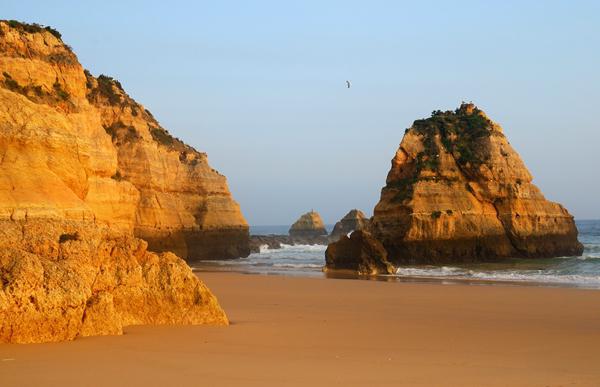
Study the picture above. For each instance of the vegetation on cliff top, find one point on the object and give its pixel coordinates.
(32, 28)
(462, 133)
(36, 93)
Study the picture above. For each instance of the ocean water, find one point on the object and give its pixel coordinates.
(306, 260)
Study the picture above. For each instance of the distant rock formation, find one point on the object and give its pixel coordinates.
(353, 220)
(78, 147)
(60, 280)
(359, 253)
(309, 225)
(458, 192)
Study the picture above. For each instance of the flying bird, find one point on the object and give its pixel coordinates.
(348, 84)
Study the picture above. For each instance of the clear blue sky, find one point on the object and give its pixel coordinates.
(259, 85)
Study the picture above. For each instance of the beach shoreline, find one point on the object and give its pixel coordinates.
(296, 331)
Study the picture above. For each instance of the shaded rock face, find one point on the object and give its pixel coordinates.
(353, 220)
(76, 147)
(359, 253)
(457, 191)
(309, 225)
(62, 279)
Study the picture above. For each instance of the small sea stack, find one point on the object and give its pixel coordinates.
(360, 253)
(309, 225)
(353, 220)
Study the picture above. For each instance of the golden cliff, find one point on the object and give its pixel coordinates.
(78, 147)
(60, 280)
(84, 170)
(458, 192)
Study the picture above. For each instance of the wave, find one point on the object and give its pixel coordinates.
(536, 276)
(298, 265)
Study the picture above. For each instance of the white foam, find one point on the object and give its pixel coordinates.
(506, 276)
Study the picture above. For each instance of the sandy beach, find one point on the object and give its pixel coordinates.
(309, 331)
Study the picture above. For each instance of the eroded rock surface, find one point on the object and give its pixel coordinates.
(78, 147)
(353, 220)
(457, 191)
(359, 253)
(62, 280)
(309, 225)
(82, 169)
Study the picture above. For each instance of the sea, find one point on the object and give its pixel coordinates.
(307, 260)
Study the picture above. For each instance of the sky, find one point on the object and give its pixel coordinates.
(260, 86)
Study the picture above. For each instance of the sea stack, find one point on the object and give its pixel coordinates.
(309, 225)
(85, 171)
(458, 192)
(353, 220)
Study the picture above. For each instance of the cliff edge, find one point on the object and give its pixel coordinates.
(78, 147)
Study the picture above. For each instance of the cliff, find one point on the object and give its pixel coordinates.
(77, 147)
(458, 191)
(83, 170)
(60, 280)
(353, 220)
(309, 225)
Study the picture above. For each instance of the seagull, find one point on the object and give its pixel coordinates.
(348, 84)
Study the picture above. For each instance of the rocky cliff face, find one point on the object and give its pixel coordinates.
(353, 220)
(77, 147)
(309, 225)
(65, 279)
(457, 191)
(82, 169)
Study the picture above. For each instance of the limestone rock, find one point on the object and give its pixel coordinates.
(63, 279)
(359, 253)
(457, 191)
(309, 225)
(353, 220)
(77, 147)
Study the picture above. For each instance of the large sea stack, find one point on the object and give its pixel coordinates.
(84, 170)
(458, 192)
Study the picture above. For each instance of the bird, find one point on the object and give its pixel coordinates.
(348, 84)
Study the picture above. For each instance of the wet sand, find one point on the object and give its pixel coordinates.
(311, 331)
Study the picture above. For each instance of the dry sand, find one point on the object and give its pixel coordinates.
(307, 331)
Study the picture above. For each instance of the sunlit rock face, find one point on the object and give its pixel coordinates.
(60, 280)
(457, 191)
(84, 172)
(78, 147)
(309, 225)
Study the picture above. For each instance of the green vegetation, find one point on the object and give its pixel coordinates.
(62, 94)
(32, 28)
(36, 93)
(117, 176)
(436, 214)
(68, 237)
(12, 85)
(161, 136)
(118, 131)
(461, 132)
(106, 88)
